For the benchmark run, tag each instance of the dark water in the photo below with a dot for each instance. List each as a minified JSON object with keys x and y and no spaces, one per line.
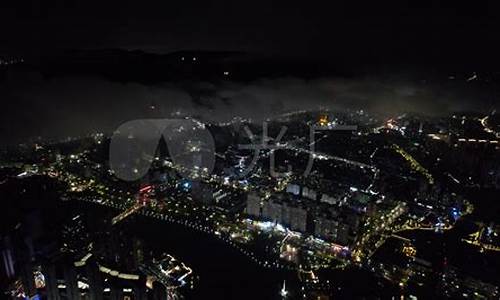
{"x":225,"y":273}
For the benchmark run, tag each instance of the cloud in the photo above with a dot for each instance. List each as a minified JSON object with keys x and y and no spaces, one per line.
{"x":36,"y":106}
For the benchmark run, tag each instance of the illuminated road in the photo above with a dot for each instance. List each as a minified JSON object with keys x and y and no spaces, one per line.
{"x":142,"y":200}
{"x":484,"y":123}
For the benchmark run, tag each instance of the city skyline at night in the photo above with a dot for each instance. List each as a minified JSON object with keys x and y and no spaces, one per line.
{"x":258,"y":150}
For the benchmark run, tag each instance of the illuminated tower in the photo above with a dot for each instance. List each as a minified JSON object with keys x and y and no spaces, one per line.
{"x":283,"y":291}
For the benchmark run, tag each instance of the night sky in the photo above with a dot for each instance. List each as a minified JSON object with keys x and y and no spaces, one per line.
{"x":402,"y":30}
{"x":401,"y":56}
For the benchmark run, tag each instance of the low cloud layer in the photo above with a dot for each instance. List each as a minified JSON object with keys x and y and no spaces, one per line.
{"x":57,"y":107}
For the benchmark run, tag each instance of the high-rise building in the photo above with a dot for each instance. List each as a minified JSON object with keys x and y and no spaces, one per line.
{"x":309,"y":193}
{"x":293,"y":189}
{"x":329,"y":199}
{"x":253,"y":205}
{"x":326,"y":228}
{"x":298,"y":219}
{"x":272,"y":210}
{"x":343,"y":234}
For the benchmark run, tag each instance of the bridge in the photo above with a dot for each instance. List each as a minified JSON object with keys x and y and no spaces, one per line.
{"x":142,"y":200}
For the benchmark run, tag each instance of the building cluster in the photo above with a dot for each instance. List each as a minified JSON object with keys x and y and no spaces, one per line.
{"x":453,"y":284}
{"x":303,"y":209}
{"x":77,"y":266}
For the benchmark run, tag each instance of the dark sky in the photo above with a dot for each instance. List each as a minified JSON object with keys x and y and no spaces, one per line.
{"x":375,"y":31}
